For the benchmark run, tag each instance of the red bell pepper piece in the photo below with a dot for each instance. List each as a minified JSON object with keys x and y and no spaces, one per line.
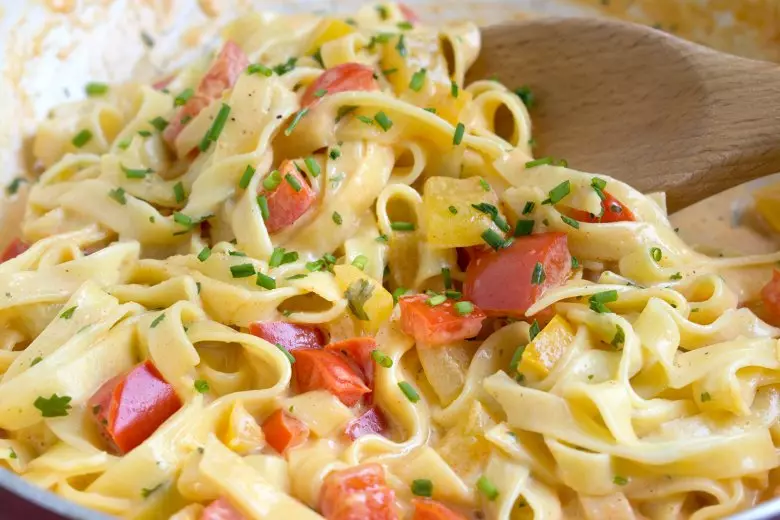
{"x":428,"y":509}
{"x":438,"y":324}
{"x":288,"y":335}
{"x":371,"y":421}
{"x":130,"y":407}
{"x":341,"y":78}
{"x":316,"y":369}
{"x":357,"y":493}
{"x":408,"y":13}
{"x":358,"y":350}
{"x":221,"y":509}
{"x":613,"y":211}
{"x":14,"y":249}
{"x":222,"y":75}
{"x":283,"y":431}
{"x":289,"y":199}
{"x":501,"y":282}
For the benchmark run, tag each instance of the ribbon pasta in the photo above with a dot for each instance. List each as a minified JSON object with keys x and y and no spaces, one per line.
{"x":138,"y":253}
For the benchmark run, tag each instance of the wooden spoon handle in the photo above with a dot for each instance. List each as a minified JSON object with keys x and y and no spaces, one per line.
{"x":656,"y":111}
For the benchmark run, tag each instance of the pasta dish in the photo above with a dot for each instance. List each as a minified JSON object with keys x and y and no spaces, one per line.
{"x":313,"y":274}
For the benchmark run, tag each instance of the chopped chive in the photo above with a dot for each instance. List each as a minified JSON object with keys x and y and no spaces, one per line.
{"x":178,"y":192}
{"x":135,"y":173}
{"x":272,"y":180}
{"x":387,"y":72}
{"x":458,"y":137}
{"x":319,"y":93}
{"x":286,"y":353}
{"x":360,"y":262}
{"x":453,"y":210}
{"x":570,"y":221}
{"x":532,"y":142}
{"x":276,"y":257}
{"x":464,"y":308}
{"x":204,"y":254}
{"x":335,"y":153}
{"x":598,"y":300}
{"x":529,"y":207}
{"x":493,"y":239}
{"x":313,"y":166}
{"x":433,"y":301}
{"x":336,"y":218}
{"x":418,"y":80}
{"x":655,"y":253}
{"x":242,"y":270}
{"x":525,"y":95}
{"x":432,"y":110}
{"x":598,"y":186}
{"x":381,"y":359}
{"x":409,"y":391}
{"x":517,"y":357}
{"x":534,"y":330}
{"x":454,"y":89}
{"x":265,"y":281}
{"x":13,"y":186}
{"x":357,"y":294}
{"x":405,"y":26}
{"x":262,"y":202}
{"x":201,"y":386}
{"x":293,"y":182}
{"x":620,"y":481}
{"x":246,"y":177}
{"x":186,"y":119}
{"x":118,"y":195}
{"x":558,"y":193}
{"x":259,"y":68}
{"x":144,"y":133}
{"x":157,"y":321}
{"x":317,"y":56}
{"x":401,"y":47}
{"x":705,"y":396}
{"x":95,"y":89}
{"x":82,"y":138}
{"x":343,"y":111}
{"x":124,"y":144}
{"x":422,"y":487}
{"x":181,"y":218}
{"x":492,"y":211}
{"x":575,"y":263}
{"x":36,"y":361}
{"x":382,"y":12}
{"x":183,"y":97}
{"x":484,"y":184}
{"x":284,"y":68}
{"x":446,"y":277}
{"x":620,"y":337}
{"x":401,"y":226}
{"x":455,"y":295}
{"x":296,"y":276}
{"x":236,"y":253}
{"x":383,"y":121}
{"x":68,"y":313}
{"x":382,"y":238}
{"x":676,"y":276}
{"x":289,"y":257}
{"x":159,"y":123}
{"x":400,"y":291}
{"x":487,"y":488}
{"x":365,"y":119}
{"x":216,"y":127}
{"x":297,"y":119}
{"x":538,"y":276}
{"x":524,"y":227}
{"x":539,"y":162}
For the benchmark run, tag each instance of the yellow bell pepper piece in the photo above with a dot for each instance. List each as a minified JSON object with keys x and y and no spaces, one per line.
{"x":461,"y":226}
{"x":369,"y":302}
{"x":328,"y":30}
{"x":243,"y":435}
{"x":547,"y":348}
{"x":448,"y":107}
{"x":768,"y":204}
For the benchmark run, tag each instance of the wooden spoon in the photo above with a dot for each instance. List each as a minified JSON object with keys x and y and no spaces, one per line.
{"x":658,"y":112}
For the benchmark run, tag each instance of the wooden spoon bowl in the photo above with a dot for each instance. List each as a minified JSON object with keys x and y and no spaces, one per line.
{"x":658,"y":112}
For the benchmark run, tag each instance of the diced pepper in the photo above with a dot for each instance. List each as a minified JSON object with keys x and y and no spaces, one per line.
{"x":243,"y":435}
{"x":613,"y":209}
{"x":222,"y":75}
{"x":130,"y":407}
{"x":365,"y":295}
{"x":540,"y":356}
{"x":502,"y":282}
{"x":327,"y":30}
{"x":359,"y":492}
{"x":428,"y":509}
{"x":448,"y":107}
{"x":289,"y":199}
{"x":358,"y":350}
{"x":221,"y":509}
{"x":316,"y":369}
{"x":437,"y":324}
{"x":770,"y":295}
{"x":288,"y":335}
{"x":341,"y":78}
{"x":767,"y":200}
{"x":372,"y":421}
{"x":408,"y":13}
{"x":14,"y":249}
{"x":283,"y":431}
{"x":450,"y":217}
